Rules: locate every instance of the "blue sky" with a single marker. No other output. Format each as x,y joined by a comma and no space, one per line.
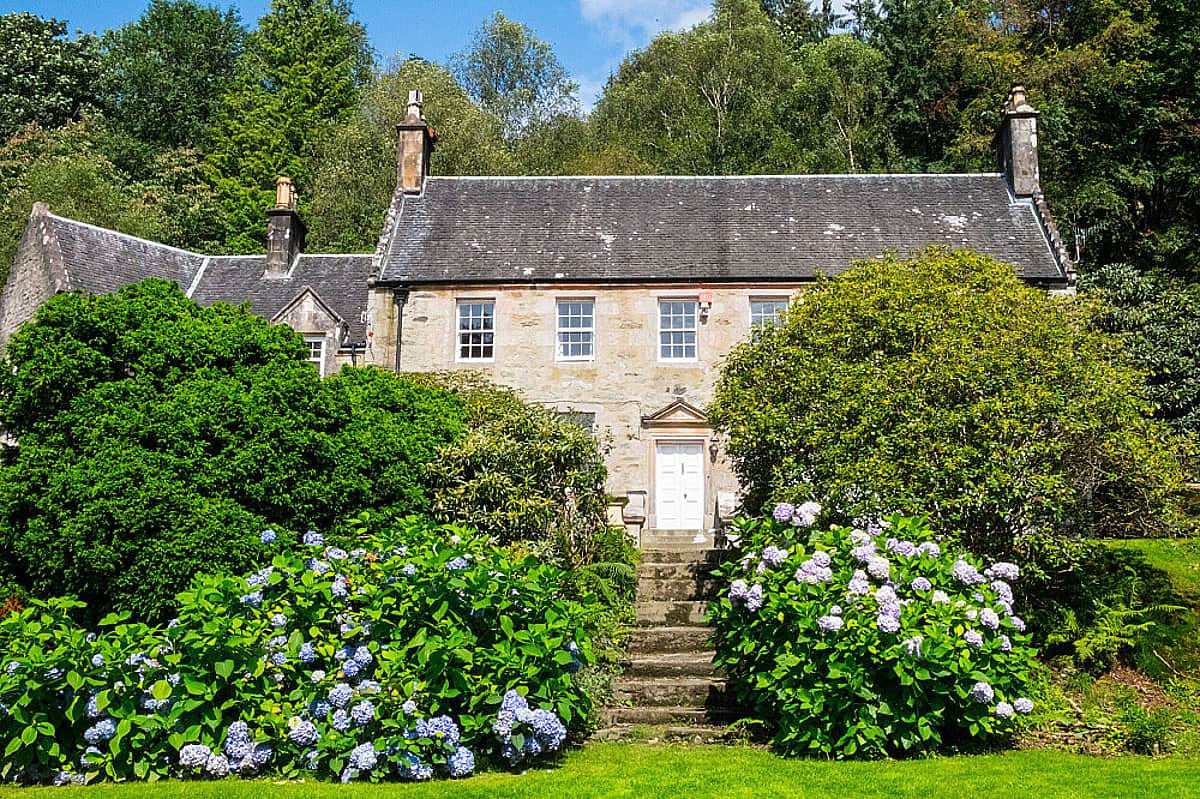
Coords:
591,37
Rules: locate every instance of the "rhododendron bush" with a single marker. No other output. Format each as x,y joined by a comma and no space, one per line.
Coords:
414,655
869,641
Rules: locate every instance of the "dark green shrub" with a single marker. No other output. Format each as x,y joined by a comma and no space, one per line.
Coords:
400,653
156,438
944,386
869,643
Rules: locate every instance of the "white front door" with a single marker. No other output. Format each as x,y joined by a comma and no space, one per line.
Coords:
679,486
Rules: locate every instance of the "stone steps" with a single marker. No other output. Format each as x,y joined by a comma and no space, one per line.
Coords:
679,691
682,613
670,664
678,588
667,539
653,640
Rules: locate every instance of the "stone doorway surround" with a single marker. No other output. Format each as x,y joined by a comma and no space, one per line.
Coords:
683,423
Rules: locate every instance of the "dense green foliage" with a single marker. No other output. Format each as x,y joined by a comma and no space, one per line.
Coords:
944,386
163,75
521,473
370,664
156,438
302,67
869,643
44,76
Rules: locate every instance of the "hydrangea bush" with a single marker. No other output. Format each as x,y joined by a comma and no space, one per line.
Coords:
871,641
402,658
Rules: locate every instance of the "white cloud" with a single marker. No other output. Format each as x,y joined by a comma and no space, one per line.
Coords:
635,22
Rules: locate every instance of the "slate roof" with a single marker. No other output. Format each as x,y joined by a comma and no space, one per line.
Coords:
754,228
100,261
339,280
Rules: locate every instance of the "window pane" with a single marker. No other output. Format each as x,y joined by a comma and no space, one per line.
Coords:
476,324
576,329
677,330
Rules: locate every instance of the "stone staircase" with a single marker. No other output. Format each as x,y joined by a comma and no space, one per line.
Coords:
669,680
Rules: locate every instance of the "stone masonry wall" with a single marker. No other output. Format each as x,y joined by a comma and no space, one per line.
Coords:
624,382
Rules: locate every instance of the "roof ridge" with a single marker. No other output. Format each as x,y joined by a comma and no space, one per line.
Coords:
853,176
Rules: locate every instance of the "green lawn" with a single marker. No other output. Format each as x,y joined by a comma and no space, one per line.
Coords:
695,772
1178,557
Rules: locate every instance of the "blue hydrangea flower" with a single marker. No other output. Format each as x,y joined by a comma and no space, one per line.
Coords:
409,570
982,693
513,701
279,658
259,578
409,707
192,756
339,586
351,668
887,623
336,553
363,757
279,620
319,708
341,694
216,766
102,730
458,564
308,653
362,655
369,687
443,728
318,675
91,709
304,733
314,539
340,721
97,660
461,763
267,536
253,599
409,767
363,713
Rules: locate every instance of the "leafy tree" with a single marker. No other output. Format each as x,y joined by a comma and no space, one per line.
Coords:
157,438
44,77
704,101
164,75
799,22
837,108
515,76
72,169
944,386
303,67
354,162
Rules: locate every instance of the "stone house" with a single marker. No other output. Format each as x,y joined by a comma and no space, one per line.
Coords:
613,299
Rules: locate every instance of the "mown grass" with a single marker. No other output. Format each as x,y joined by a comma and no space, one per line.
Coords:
696,772
1178,557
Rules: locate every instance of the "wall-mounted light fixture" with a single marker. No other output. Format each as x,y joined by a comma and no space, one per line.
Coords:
705,302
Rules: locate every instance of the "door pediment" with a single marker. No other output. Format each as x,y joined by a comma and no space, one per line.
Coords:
679,415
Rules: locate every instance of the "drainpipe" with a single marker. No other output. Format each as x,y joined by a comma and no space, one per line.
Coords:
399,297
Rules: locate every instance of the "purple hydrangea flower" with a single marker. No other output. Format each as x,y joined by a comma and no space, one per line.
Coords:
858,584
821,558
217,766
754,598
1023,705
1017,622
905,549
887,623
863,553
929,549
1004,710
912,646
830,624
813,573
1003,591
773,556
974,638
858,538
1004,571
921,584
967,574
878,567
806,515
1005,644
940,598
836,610
982,693
783,512
989,619
191,756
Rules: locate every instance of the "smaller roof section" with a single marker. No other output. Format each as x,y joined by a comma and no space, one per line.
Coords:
711,229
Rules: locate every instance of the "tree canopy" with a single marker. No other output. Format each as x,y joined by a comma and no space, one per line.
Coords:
45,77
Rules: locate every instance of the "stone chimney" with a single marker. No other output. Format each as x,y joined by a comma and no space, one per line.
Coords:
285,230
414,146
1017,145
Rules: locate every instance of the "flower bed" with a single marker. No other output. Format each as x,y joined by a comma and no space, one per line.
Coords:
869,642
413,656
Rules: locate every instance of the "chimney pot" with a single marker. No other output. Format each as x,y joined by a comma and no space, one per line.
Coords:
285,193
